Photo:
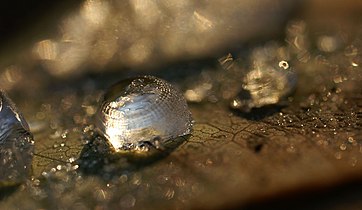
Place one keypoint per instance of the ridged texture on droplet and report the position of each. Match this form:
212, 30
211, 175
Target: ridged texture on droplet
142, 109
16, 144
270, 81
264, 87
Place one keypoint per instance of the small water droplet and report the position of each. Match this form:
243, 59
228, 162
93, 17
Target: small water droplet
337, 79
354, 64
123, 178
128, 201
291, 149
351, 51
342, 147
353, 161
350, 139
136, 179
45, 174
284, 64
36, 182
180, 182
163, 179
226, 61
64, 134
75, 167
100, 195
209, 162
338, 155
169, 193
59, 167
328, 43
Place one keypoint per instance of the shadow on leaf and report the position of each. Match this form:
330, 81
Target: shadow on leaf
6, 191
259, 113
98, 158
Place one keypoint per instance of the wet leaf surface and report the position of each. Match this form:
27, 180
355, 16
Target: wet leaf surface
295, 151
229, 159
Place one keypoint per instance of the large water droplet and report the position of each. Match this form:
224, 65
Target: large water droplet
143, 110
16, 144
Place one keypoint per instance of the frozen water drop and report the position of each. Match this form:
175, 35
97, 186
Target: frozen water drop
59, 167
351, 51
270, 80
351, 139
284, 64
16, 144
262, 87
142, 109
128, 201
328, 43
342, 147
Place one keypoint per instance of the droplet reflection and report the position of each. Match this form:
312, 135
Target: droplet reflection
143, 109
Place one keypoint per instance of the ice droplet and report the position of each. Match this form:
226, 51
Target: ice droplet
16, 144
264, 87
142, 110
128, 201
270, 81
284, 64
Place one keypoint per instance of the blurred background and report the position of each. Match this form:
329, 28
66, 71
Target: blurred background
73, 38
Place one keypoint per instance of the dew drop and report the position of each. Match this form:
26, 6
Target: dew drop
71, 160
16, 144
136, 179
75, 167
338, 155
59, 167
342, 147
351, 51
354, 64
350, 139
128, 201
283, 64
327, 43
64, 134
123, 178
142, 109
269, 81
45, 174
169, 194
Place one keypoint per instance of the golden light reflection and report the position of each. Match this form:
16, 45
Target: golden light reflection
327, 43
140, 33
65, 55
198, 93
202, 23
104, 50
139, 52
10, 76
95, 11
146, 13
46, 50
